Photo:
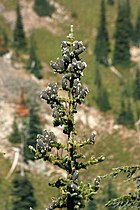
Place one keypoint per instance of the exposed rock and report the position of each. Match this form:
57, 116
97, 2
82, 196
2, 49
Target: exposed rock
87, 118
31, 20
2, 8
135, 54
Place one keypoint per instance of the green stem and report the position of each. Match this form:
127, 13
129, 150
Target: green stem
70, 200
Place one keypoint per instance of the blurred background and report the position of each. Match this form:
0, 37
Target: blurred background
31, 32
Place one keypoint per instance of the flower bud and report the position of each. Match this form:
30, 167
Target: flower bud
64, 83
45, 141
55, 113
60, 63
66, 57
72, 187
54, 65
92, 137
75, 45
83, 93
64, 44
97, 183
75, 175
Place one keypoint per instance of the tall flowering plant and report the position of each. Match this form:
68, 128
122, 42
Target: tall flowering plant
73, 192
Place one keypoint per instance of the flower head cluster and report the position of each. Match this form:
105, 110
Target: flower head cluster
53, 205
72, 66
92, 138
71, 63
72, 187
79, 93
73, 192
45, 141
50, 94
97, 183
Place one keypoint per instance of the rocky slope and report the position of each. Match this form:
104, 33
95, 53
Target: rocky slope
31, 20
87, 118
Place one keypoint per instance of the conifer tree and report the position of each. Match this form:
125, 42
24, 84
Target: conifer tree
136, 85
127, 92
110, 193
121, 119
102, 99
131, 200
22, 193
3, 42
43, 8
72, 192
121, 53
138, 114
91, 205
33, 64
102, 46
129, 116
111, 2
15, 136
137, 29
19, 39
32, 128
126, 116
97, 80
128, 19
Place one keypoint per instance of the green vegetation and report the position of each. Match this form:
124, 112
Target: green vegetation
15, 136
126, 116
5, 26
111, 193
130, 200
116, 151
102, 99
136, 85
19, 39
108, 194
4, 183
137, 29
115, 147
121, 53
33, 64
111, 2
121, 119
46, 52
39, 182
91, 205
72, 192
129, 116
3, 42
47, 45
22, 193
10, 5
32, 128
97, 79
102, 47
43, 8
129, 20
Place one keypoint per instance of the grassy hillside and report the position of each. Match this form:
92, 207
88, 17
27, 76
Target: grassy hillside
117, 151
10, 5
43, 192
84, 15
